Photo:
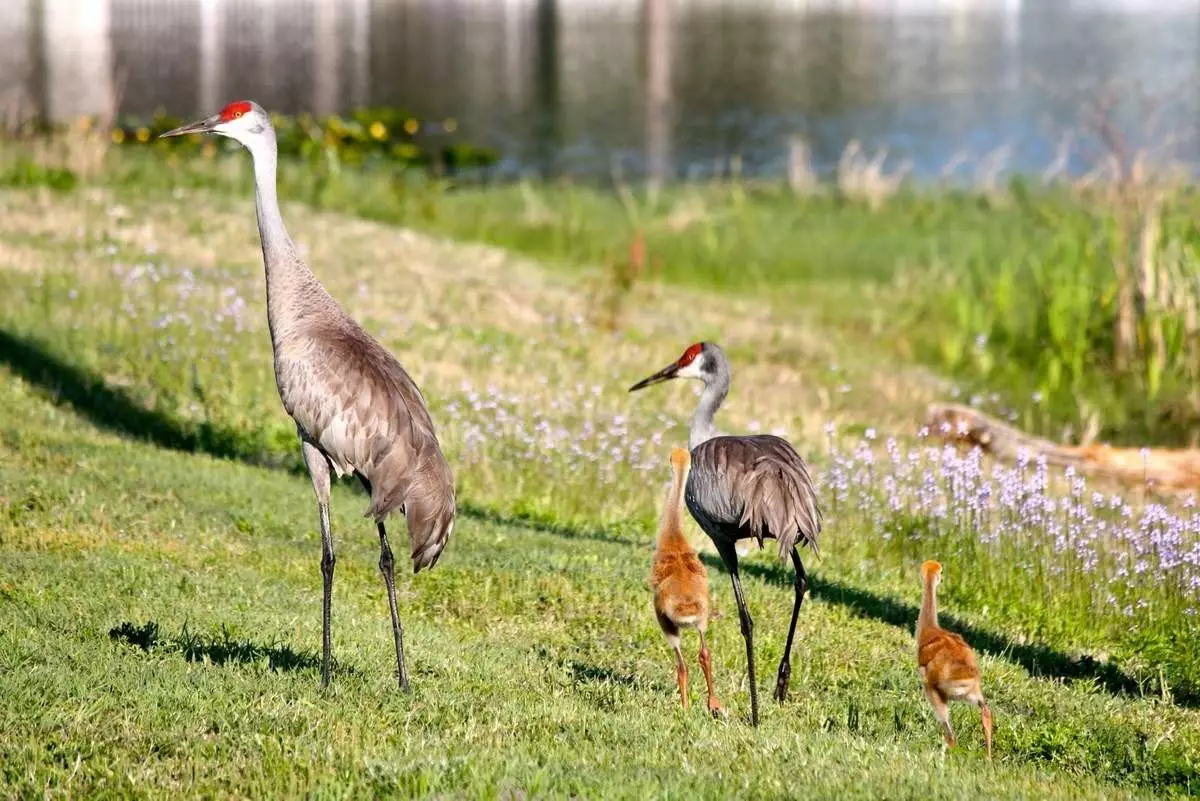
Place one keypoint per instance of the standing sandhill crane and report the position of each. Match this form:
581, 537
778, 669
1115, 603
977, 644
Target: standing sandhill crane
947, 664
742, 487
356, 409
680, 583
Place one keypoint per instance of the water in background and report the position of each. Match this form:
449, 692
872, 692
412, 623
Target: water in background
588, 87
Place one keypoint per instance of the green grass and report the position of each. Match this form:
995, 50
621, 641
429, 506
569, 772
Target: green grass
1014, 294
537, 665
159, 580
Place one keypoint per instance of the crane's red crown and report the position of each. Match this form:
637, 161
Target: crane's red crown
235, 110
690, 354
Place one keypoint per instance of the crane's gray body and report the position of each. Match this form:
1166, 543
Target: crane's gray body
349, 396
743, 487
356, 409
755, 487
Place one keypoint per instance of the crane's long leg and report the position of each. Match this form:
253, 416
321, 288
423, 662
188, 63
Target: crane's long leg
785, 664
318, 471
681, 674
729, 557
714, 706
387, 566
942, 712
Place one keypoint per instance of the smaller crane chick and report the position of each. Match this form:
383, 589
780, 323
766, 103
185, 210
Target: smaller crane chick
681, 583
947, 664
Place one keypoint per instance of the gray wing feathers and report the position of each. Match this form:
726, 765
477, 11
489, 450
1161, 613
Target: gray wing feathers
760, 485
354, 400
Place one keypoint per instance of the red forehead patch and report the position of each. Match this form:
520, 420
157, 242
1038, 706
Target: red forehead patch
235, 110
690, 354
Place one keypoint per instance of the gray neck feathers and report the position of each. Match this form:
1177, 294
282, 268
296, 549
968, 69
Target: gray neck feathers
716, 388
292, 290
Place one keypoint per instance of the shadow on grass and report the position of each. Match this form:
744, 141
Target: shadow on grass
1038, 659
586, 672
218, 650
541, 525
583, 673
114, 409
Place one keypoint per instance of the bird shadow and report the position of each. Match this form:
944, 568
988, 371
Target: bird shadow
114, 409
541, 525
586, 672
218, 649
1036, 658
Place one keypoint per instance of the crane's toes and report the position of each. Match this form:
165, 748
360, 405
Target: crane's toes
717, 711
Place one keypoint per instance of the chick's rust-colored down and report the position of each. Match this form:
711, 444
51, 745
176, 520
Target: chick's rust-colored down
680, 583
949, 671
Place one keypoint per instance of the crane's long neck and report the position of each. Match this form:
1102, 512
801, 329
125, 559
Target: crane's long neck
289, 282
672, 522
928, 617
702, 427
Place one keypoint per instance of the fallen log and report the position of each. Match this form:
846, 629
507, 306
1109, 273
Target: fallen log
1163, 469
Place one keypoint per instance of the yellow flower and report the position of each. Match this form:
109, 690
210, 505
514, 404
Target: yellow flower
118, 135
411, 126
378, 130
143, 134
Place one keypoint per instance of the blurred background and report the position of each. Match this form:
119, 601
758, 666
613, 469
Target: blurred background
588, 87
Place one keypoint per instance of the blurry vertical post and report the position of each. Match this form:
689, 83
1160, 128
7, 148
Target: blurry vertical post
78, 59
210, 54
657, 22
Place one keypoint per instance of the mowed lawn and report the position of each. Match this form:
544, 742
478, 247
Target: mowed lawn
160, 608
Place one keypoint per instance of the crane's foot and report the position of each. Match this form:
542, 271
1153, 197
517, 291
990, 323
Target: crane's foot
716, 710
781, 683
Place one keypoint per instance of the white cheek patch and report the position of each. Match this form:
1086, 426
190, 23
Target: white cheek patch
691, 371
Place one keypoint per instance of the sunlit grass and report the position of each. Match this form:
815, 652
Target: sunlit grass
535, 650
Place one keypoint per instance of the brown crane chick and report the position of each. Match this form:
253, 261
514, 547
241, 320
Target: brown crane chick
947, 664
680, 583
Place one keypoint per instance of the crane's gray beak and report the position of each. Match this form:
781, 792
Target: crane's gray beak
662, 375
200, 126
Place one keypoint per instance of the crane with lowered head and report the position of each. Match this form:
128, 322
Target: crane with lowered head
356, 409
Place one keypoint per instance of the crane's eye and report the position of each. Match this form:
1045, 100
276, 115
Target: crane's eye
237, 114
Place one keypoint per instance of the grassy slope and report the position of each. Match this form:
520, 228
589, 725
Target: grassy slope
536, 660
537, 664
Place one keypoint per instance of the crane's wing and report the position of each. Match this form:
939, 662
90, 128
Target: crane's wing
758, 484
354, 401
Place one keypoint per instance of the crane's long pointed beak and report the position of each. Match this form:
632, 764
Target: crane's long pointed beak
200, 126
662, 375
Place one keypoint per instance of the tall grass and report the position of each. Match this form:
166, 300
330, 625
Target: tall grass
1048, 323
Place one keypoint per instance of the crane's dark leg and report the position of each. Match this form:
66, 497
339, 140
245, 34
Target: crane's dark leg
387, 566
729, 557
785, 664
318, 471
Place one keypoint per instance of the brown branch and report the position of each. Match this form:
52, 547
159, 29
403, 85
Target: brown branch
1162, 468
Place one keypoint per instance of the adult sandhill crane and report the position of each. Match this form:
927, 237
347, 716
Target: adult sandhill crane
744, 487
356, 409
